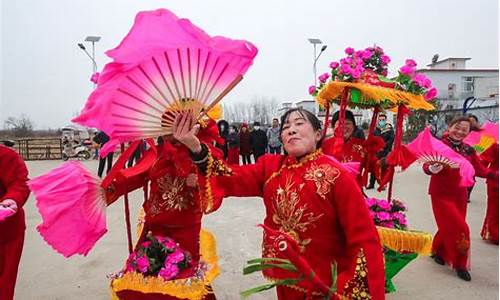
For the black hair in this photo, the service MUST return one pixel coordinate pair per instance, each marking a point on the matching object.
(348, 116)
(256, 123)
(309, 116)
(382, 115)
(474, 117)
(235, 128)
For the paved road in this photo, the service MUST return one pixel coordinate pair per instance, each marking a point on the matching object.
(46, 275)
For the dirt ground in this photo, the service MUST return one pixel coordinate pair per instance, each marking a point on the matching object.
(46, 275)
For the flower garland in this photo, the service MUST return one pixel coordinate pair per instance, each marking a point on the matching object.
(387, 214)
(158, 256)
(410, 81)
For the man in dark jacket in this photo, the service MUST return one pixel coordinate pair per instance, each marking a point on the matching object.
(102, 138)
(386, 132)
(258, 140)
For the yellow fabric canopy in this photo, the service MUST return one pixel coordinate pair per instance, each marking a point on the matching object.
(406, 240)
(372, 95)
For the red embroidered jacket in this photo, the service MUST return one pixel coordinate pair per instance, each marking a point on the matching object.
(174, 206)
(13, 177)
(316, 202)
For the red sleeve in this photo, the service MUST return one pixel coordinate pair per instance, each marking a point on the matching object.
(13, 176)
(481, 170)
(488, 156)
(360, 233)
(221, 180)
(126, 180)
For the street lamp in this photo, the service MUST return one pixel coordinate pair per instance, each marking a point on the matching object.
(93, 40)
(316, 42)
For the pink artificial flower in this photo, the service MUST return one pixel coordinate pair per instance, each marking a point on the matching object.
(145, 244)
(356, 73)
(422, 80)
(358, 53)
(175, 257)
(95, 77)
(385, 59)
(346, 69)
(431, 94)
(142, 264)
(387, 224)
(366, 55)
(169, 271)
(383, 204)
(324, 77)
(168, 243)
(371, 201)
(334, 65)
(383, 216)
(312, 90)
(349, 50)
(379, 50)
(407, 70)
(131, 263)
(411, 63)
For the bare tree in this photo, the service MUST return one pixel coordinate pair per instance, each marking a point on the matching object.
(19, 127)
(260, 108)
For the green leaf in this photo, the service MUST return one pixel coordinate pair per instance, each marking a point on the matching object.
(268, 259)
(260, 267)
(333, 270)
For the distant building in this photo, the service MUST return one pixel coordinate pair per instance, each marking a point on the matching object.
(456, 84)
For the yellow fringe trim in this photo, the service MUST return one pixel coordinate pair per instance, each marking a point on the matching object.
(334, 89)
(208, 200)
(401, 240)
(188, 288)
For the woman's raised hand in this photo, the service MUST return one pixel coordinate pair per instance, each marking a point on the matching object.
(184, 132)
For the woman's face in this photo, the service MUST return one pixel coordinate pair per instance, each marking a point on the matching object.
(348, 128)
(298, 136)
(243, 129)
(459, 130)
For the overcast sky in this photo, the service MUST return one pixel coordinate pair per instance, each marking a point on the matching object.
(46, 76)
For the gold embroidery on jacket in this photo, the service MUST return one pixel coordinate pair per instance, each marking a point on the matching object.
(290, 216)
(357, 288)
(170, 195)
(324, 177)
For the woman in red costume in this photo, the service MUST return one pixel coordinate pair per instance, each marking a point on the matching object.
(307, 195)
(245, 144)
(174, 207)
(233, 146)
(13, 194)
(451, 244)
(490, 225)
(353, 148)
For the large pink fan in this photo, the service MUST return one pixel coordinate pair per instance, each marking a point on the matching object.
(429, 149)
(483, 139)
(165, 65)
(72, 207)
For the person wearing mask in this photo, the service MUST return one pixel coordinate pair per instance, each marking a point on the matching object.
(386, 132)
(245, 144)
(274, 138)
(223, 127)
(311, 198)
(13, 194)
(258, 140)
(451, 243)
(233, 146)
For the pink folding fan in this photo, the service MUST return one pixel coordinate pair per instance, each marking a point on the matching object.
(429, 149)
(164, 66)
(71, 203)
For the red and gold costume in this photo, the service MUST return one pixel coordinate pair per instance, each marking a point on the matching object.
(173, 208)
(316, 202)
(13, 177)
(490, 225)
(449, 204)
(354, 150)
